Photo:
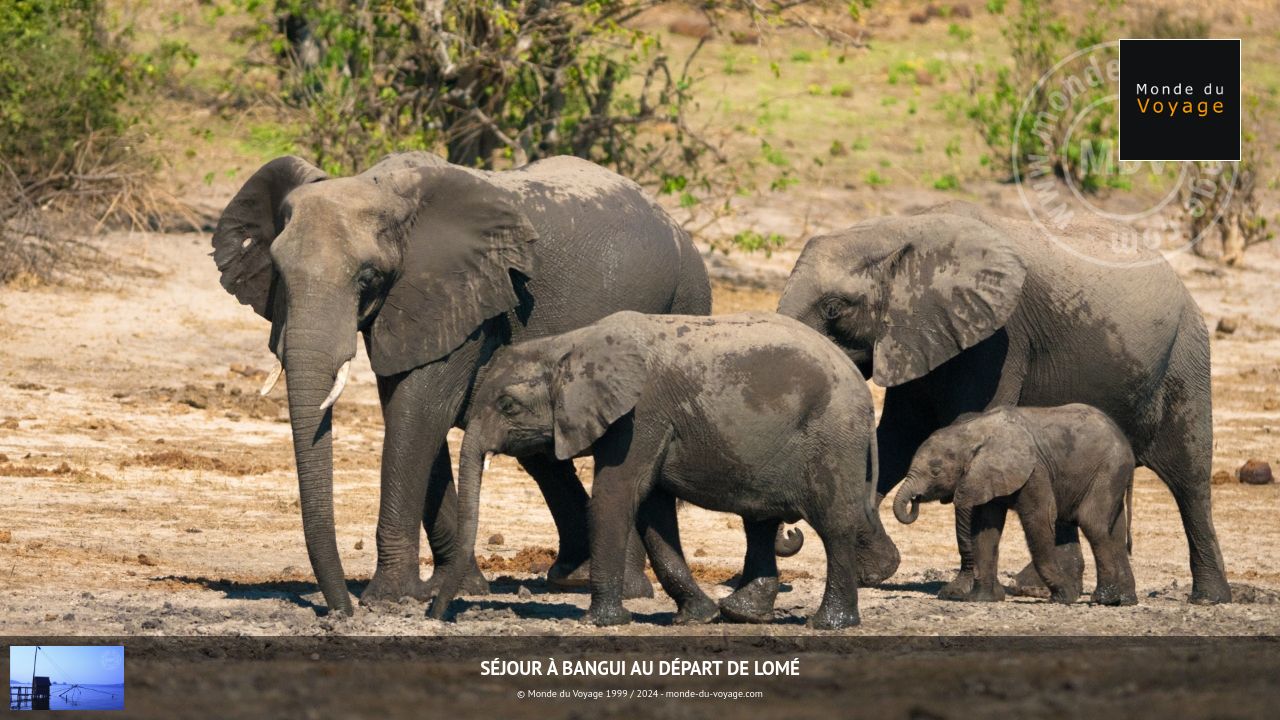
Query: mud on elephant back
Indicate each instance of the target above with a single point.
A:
(435, 266)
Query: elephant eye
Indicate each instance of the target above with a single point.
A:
(833, 308)
(368, 278)
(508, 405)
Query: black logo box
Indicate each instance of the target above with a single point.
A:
(1181, 65)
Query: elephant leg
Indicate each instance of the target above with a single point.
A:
(626, 460)
(1108, 538)
(442, 502)
(988, 524)
(839, 608)
(567, 501)
(962, 585)
(1037, 512)
(417, 490)
(1070, 557)
(752, 602)
(661, 534)
(1186, 471)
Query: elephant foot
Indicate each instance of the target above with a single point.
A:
(986, 593)
(1027, 583)
(751, 603)
(636, 585)
(829, 619)
(567, 575)
(1064, 596)
(1210, 593)
(386, 588)
(1111, 595)
(606, 615)
(573, 576)
(877, 562)
(959, 588)
(698, 610)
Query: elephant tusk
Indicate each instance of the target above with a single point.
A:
(487, 457)
(339, 383)
(272, 378)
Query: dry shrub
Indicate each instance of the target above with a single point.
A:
(71, 154)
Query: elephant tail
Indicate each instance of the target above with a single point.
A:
(788, 542)
(1128, 527)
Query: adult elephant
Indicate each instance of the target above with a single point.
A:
(956, 310)
(436, 265)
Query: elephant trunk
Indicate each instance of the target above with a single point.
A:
(313, 452)
(471, 466)
(787, 543)
(315, 357)
(907, 495)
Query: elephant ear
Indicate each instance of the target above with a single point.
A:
(594, 384)
(466, 248)
(242, 240)
(953, 282)
(1002, 464)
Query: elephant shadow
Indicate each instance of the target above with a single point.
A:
(291, 591)
(524, 609)
(928, 587)
(532, 608)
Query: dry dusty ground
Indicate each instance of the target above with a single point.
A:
(146, 489)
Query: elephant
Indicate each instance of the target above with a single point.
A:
(957, 310)
(1059, 468)
(437, 265)
(753, 414)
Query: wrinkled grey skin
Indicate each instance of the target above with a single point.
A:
(1059, 468)
(437, 265)
(956, 310)
(753, 414)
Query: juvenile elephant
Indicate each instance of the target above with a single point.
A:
(1067, 466)
(437, 265)
(753, 414)
(956, 310)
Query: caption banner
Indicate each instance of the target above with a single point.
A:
(673, 667)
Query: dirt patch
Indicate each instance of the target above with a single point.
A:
(182, 460)
(535, 560)
(232, 400)
(1253, 595)
(62, 470)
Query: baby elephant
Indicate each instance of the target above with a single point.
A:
(753, 414)
(1061, 466)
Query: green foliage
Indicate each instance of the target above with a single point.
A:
(508, 82)
(67, 147)
(875, 179)
(947, 182)
(484, 84)
(1029, 90)
(62, 77)
(752, 241)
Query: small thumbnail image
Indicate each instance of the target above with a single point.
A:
(66, 677)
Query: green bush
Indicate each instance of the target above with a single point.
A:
(479, 82)
(68, 153)
(1038, 39)
(62, 77)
